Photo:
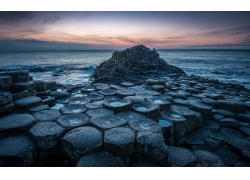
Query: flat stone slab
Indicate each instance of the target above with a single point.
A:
(59, 94)
(5, 98)
(18, 76)
(24, 85)
(40, 85)
(152, 146)
(244, 116)
(99, 112)
(46, 134)
(78, 100)
(81, 141)
(130, 116)
(234, 106)
(120, 141)
(209, 102)
(229, 122)
(181, 157)
(245, 130)
(100, 159)
(232, 133)
(6, 108)
(48, 99)
(94, 105)
(205, 110)
(211, 125)
(107, 121)
(22, 94)
(73, 108)
(47, 115)
(88, 89)
(216, 135)
(193, 139)
(158, 88)
(202, 132)
(39, 108)
(117, 106)
(228, 157)
(95, 97)
(73, 120)
(145, 125)
(28, 102)
(180, 101)
(127, 84)
(16, 123)
(147, 108)
(226, 113)
(207, 159)
(107, 92)
(17, 151)
(5, 82)
(238, 145)
(124, 92)
(217, 117)
(213, 144)
(134, 99)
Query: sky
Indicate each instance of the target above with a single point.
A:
(114, 30)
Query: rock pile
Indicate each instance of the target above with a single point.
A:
(133, 65)
(166, 121)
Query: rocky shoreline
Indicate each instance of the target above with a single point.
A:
(145, 114)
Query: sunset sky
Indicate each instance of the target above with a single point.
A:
(90, 30)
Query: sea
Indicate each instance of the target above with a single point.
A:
(76, 67)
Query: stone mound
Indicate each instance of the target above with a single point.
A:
(133, 65)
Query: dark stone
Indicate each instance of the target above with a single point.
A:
(47, 115)
(120, 141)
(242, 164)
(189, 115)
(46, 134)
(43, 93)
(124, 92)
(207, 159)
(216, 135)
(193, 139)
(130, 116)
(217, 97)
(99, 112)
(94, 105)
(244, 116)
(134, 99)
(22, 94)
(17, 151)
(95, 97)
(24, 85)
(28, 102)
(205, 110)
(73, 120)
(213, 144)
(107, 92)
(226, 113)
(146, 164)
(51, 85)
(5, 98)
(158, 88)
(245, 130)
(40, 85)
(73, 108)
(209, 102)
(232, 106)
(100, 159)
(107, 121)
(7, 108)
(18, 76)
(147, 108)
(229, 122)
(88, 89)
(81, 141)
(167, 130)
(127, 84)
(49, 153)
(39, 108)
(211, 125)
(59, 94)
(218, 117)
(192, 90)
(232, 133)
(245, 155)
(237, 145)
(48, 99)
(117, 106)
(145, 125)
(5, 82)
(78, 100)
(202, 132)
(227, 156)
(181, 157)
(114, 98)
(152, 146)
(16, 123)
(180, 101)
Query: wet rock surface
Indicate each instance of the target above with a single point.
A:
(172, 119)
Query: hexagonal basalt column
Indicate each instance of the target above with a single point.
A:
(47, 115)
(145, 125)
(153, 147)
(46, 134)
(5, 82)
(17, 151)
(73, 120)
(189, 115)
(130, 116)
(120, 140)
(59, 94)
(16, 123)
(28, 102)
(134, 99)
(22, 94)
(5, 98)
(205, 110)
(40, 85)
(180, 125)
(24, 85)
(107, 92)
(94, 105)
(99, 112)
(78, 100)
(167, 130)
(158, 88)
(164, 104)
(95, 97)
(81, 141)
(107, 122)
(124, 92)
(88, 89)
(147, 108)
(73, 108)
(100, 159)
(127, 84)
(117, 106)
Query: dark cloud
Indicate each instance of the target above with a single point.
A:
(51, 20)
(13, 17)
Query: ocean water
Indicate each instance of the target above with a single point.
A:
(75, 67)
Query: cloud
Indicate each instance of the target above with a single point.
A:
(50, 20)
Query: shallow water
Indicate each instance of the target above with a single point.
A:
(75, 67)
